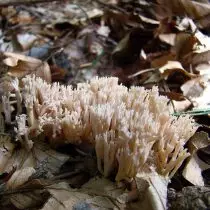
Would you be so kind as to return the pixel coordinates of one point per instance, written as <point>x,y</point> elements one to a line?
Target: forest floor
<point>143,43</point>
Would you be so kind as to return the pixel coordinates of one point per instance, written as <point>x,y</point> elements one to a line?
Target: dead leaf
<point>21,65</point>
<point>128,49</point>
<point>6,150</point>
<point>181,106</point>
<point>154,196</point>
<point>193,169</point>
<point>198,90</point>
<point>188,41</point>
<point>197,141</point>
<point>173,96</point>
<point>63,197</point>
<point>162,60</point>
<point>204,154</point>
<point>174,66</point>
<point>193,9</point>
<point>168,38</point>
<point>195,166</point>
<point>203,69</point>
<point>45,160</point>
<point>19,177</point>
<point>26,40</point>
<point>27,200</point>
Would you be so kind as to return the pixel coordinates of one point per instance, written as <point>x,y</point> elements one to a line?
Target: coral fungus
<point>131,129</point>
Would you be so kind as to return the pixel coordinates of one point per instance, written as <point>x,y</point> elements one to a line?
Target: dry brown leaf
<point>161,61</point>
<point>6,150</point>
<point>174,66</point>
<point>19,177</point>
<point>42,157</point>
<point>200,52</point>
<point>27,200</point>
<point>197,141</point>
<point>188,41</point>
<point>173,95</point>
<point>193,9</point>
<point>197,58</point>
<point>204,22</point>
<point>21,65</point>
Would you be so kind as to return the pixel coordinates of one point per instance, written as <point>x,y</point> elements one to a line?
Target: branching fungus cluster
<point>130,128</point>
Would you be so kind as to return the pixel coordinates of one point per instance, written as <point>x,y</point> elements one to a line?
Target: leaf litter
<point>143,43</point>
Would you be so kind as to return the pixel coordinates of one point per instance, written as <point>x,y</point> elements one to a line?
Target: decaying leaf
<point>26,40</point>
<point>28,199</point>
<point>198,140</point>
<point>63,197</point>
<point>168,38</point>
<point>193,169</point>
<point>90,196</point>
<point>174,66</point>
<point>193,9</point>
<point>155,196</point>
<point>6,150</point>
<point>195,166</point>
<point>198,90</point>
<point>204,154</point>
<point>19,177</point>
<point>21,65</point>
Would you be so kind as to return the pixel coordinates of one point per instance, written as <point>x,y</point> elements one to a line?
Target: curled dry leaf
<point>21,65</point>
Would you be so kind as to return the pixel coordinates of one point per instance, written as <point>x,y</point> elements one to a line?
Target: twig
<point>111,6</point>
<point>6,3</point>
<point>141,72</point>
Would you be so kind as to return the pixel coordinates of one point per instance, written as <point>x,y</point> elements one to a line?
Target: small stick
<point>141,72</point>
<point>5,3</point>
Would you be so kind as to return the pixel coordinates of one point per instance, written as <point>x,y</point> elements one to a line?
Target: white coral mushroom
<point>130,128</point>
